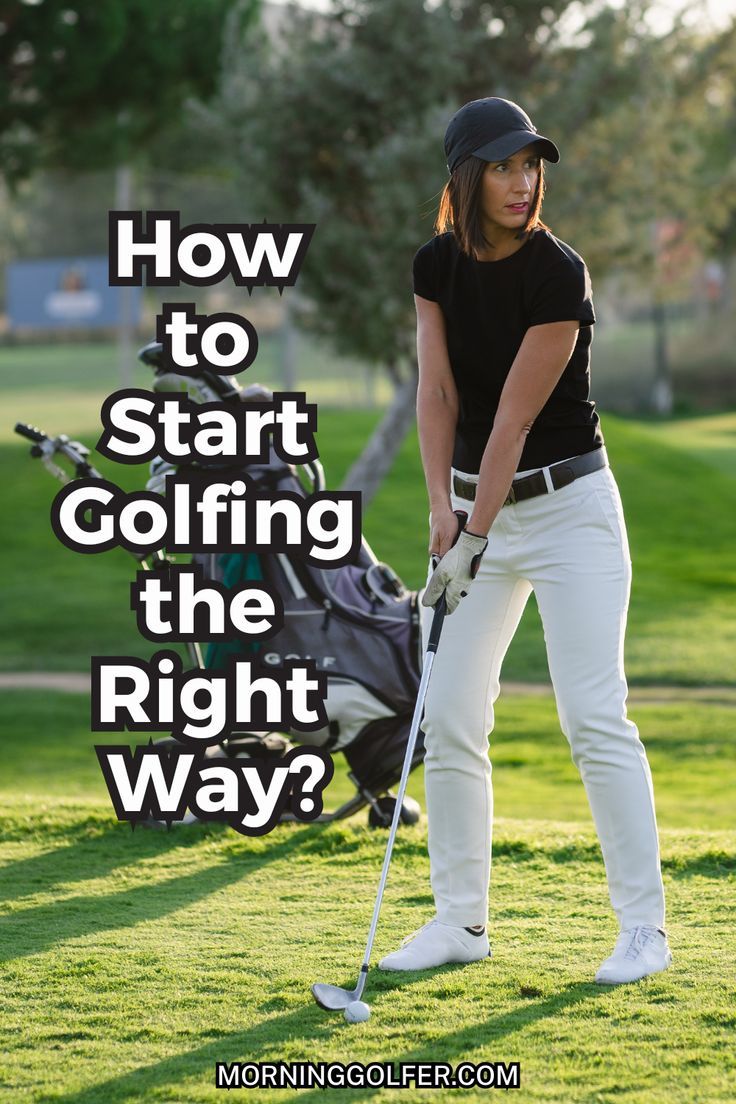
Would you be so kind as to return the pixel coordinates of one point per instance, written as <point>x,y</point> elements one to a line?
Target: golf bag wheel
<point>381,817</point>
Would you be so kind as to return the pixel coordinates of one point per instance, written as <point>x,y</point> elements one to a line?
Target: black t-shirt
<point>488,307</point>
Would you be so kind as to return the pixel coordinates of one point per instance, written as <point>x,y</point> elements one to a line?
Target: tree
<point>86,86</point>
<point>640,132</point>
<point>645,185</point>
<point>339,122</point>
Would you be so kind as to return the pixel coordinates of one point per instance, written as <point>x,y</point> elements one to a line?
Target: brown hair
<point>460,209</point>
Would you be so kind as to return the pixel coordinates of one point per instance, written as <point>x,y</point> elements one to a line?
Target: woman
<point>509,436</point>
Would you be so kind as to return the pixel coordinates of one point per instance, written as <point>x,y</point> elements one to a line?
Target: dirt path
<point>79,683</point>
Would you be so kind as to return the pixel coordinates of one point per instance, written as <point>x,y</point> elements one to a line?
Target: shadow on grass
<point>115,847</point>
<point>708,864</point>
<point>90,857</point>
<point>269,1039</point>
<point>96,850</point>
<point>35,929</point>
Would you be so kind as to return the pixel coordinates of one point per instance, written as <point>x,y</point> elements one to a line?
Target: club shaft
<point>406,771</point>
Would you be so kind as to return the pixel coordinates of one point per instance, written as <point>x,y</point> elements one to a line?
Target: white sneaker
<point>638,952</point>
<point>436,943</point>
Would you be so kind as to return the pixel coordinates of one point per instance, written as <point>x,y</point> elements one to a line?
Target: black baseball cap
<point>492,129</point>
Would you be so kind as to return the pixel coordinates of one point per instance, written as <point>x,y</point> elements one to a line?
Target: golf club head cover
<point>456,570</point>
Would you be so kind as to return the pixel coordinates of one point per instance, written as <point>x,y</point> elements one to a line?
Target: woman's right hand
<point>443,530</point>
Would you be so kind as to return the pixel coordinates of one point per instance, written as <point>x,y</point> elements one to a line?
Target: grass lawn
<point>678,482</point>
<point>134,961</point>
<point>61,387</point>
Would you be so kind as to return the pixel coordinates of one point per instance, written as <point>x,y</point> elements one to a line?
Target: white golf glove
<point>455,571</point>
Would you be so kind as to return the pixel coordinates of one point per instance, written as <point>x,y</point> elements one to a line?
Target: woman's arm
<point>437,412</point>
<point>542,358</point>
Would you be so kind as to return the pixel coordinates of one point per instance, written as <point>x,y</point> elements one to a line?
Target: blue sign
<point>66,293</point>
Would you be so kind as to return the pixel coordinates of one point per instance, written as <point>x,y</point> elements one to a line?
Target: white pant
<point>571,548</point>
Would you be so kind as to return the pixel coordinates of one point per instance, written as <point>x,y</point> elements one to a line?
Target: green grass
<point>61,387</point>
<point>678,483</point>
<point>712,438</point>
<point>132,962</point>
<point>690,747</point>
<point>131,976</point>
<point>678,488</point>
<point>137,961</point>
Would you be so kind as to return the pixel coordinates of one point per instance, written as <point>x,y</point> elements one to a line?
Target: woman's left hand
<point>455,571</point>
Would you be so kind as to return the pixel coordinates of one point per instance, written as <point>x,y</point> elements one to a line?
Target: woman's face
<point>507,190</point>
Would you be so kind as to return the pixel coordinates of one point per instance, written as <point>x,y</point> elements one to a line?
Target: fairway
<point>134,961</point>
<point>674,484</point>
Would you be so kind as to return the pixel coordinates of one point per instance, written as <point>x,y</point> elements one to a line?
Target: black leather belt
<point>529,486</point>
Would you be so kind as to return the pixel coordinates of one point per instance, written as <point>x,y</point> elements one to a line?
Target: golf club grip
<point>29,432</point>
<point>440,608</point>
<point>436,628</point>
<point>462,521</point>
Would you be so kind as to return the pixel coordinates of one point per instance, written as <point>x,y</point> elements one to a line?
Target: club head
<point>332,998</point>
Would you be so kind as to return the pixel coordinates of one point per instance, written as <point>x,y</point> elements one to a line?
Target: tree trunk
<point>662,398</point>
<point>376,459</point>
<point>287,346</point>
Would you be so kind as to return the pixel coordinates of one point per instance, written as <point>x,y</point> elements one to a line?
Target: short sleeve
<point>425,273</point>
<point>563,295</point>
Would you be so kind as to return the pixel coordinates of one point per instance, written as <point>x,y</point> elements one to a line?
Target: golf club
<point>332,997</point>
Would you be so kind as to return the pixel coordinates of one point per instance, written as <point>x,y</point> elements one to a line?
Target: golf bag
<point>358,623</point>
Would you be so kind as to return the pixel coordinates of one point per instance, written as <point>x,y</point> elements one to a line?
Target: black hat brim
<point>504,147</point>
